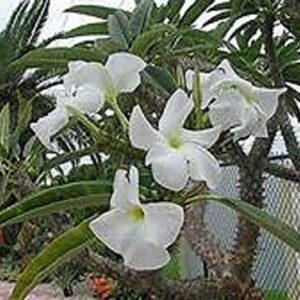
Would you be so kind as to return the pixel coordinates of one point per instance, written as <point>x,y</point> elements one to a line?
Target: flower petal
<point>202,165</point>
<point>163,222</point>
<point>227,70</point>
<point>133,185</point>
<point>226,110</point>
<point>189,79</point>
<point>170,171</point>
<point>207,81</point>
<point>49,125</point>
<point>260,130</point>
<point>205,138</point>
<point>177,109</point>
<point>257,126</point>
<point>70,79</point>
<point>115,229</point>
<point>87,100</point>
<point>249,116</point>
<point>268,99</point>
<point>124,69</point>
<point>126,189</point>
<point>159,150</point>
<point>144,255</point>
<point>141,134</point>
<point>92,74</point>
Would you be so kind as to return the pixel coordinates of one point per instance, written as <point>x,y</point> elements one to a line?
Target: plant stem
<point>120,115</point>
<point>197,96</point>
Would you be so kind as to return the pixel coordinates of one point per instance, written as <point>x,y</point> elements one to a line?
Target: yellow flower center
<point>175,142</point>
<point>138,214</point>
<point>250,100</point>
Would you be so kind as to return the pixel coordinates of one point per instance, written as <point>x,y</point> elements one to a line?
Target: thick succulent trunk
<point>203,242</point>
<point>290,140</point>
<point>246,240</point>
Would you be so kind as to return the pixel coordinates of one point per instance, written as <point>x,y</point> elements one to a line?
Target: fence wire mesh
<point>277,267</point>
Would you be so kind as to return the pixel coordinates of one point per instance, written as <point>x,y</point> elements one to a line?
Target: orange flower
<point>102,287</point>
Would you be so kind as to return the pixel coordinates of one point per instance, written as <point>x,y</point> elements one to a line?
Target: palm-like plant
<point>162,36</point>
<point>20,97</point>
<point>21,35</point>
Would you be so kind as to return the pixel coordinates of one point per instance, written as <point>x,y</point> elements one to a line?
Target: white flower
<point>121,74</point>
<point>87,86</point>
<point>141,233</point>
<point>235,103</point>
<point>49,125</point>
<point>175,154</point>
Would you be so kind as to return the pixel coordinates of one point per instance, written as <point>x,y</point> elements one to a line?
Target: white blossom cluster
<point>141,233</point>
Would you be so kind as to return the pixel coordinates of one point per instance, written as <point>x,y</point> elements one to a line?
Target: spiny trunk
<point>290,140</point>
<point>246,240</point>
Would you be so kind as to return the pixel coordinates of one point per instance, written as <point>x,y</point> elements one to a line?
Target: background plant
<point>164,37</point>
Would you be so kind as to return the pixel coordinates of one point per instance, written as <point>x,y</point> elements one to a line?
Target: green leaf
<point>162,78</point>
<point>216,18</point>
<point>3,153</point>
<point>60,250</point>
<point>56,58</point>
<point>292,73</point>
<point>88,29</point>
<point>262,219</point>
<point>173,9</point>
<point>84,120</point>
<point>140,18</point>
<point>74,195</point>
<point>97,11</point>
<point>24,117</point>
<point>4,127</point>
<point>117,27</point>
<point>147,40</point>
<point>220,6</point>
<point>194,12</point>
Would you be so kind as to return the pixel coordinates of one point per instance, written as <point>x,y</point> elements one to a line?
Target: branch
<point>156,285</point>
<point>203,242</point>
<point>282,172</point>
<point>108,144</point>
<point>262,147</point>
<point>290,140</point>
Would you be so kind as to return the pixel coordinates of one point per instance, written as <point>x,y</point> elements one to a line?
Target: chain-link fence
<point>277,267</point>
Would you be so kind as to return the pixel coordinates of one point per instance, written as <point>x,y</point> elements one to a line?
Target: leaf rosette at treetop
<point>234,103</point>
<point>88,86</point>
<point>141,233</point>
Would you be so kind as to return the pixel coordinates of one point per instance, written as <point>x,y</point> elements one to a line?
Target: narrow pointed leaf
<point>24,117</point>
<point>174,7</point>
<point>4,127</point>
<point>57,252</point>
<point>88,29</point>
<point>55,199</point>
<point>97,11</point>
<point>147,40</point>
<point>140,18</point>
<point>162,78</point>
<point>194,12</point>
<point>117,27</point>
<point>262,219</point>
<point>55,58</point>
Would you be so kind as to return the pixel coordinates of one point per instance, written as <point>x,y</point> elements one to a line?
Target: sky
<point>59,20</point>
